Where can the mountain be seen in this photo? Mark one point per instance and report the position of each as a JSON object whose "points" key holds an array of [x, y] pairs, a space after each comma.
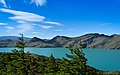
{"points": [[37, 42], [35, 39], [10, 41], [13, 38], [92, 40], [59, 41]]}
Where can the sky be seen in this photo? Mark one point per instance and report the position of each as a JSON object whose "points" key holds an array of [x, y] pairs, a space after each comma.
{"points": [[49, 18]]}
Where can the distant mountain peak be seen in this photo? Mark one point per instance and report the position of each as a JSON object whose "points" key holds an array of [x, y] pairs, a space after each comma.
{"points": [[36, 39]]}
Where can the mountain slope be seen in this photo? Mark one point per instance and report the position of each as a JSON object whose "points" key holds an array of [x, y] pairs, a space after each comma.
{"points": [[13, 38], [89, 41], [37, 42], [59, 41]]}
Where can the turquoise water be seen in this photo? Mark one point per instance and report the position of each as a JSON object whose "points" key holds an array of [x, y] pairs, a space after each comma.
{"points": [[102, 59]]}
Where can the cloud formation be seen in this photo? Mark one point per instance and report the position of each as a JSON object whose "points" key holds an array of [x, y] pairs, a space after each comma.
{"points": [[46, 27], [10, 27], [23, 16], [3, 24], [27, 22], [3, 3], [36, 2], [39, 2], [53, 23], [35, 32], [24, 27], [24, 19]]}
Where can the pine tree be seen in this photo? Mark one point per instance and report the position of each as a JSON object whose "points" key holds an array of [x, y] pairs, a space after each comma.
{"points": [[78, 62], [21, 43]]}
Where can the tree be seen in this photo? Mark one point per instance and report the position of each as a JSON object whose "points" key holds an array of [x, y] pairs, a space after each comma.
{"points": [[78, 62], [21, 43]]}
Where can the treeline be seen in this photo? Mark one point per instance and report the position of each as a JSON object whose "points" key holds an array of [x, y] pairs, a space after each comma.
{"points": [[19, 63]]}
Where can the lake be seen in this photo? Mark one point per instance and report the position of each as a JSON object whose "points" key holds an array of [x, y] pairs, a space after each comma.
{"points": [[102, 59]]}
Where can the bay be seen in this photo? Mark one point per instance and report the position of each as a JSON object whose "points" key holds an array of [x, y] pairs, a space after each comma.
{"points": [[102, 59]]}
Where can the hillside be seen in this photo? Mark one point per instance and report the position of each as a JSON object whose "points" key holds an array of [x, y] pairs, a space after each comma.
{"points": [[93, 40]]}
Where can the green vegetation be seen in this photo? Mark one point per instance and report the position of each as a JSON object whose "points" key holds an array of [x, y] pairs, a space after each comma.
{"points": [[19, 63], [21, 43]]}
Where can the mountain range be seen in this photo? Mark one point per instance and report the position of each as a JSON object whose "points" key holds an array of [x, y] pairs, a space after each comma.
{"points": [[92, 40]]}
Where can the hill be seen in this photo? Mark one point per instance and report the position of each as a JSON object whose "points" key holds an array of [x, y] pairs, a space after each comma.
{"points": [[13, 38], [93, 40]]}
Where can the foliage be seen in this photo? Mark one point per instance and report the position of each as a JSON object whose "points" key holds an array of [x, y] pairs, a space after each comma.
{"points": [[21, 43], [18, 63]]}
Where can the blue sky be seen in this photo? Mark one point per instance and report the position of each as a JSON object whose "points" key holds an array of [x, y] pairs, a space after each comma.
{"points": [[48, 18]]}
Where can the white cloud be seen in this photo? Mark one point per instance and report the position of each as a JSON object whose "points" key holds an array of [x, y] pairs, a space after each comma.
{"points": [[10, 27], [3, 3], [3, 24], [35, 32], [36, 2], [26, 21], [39, 2], [46, 27], [59, 30], [54, 23], [21, 22], [23, 16], [24, 27]]}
